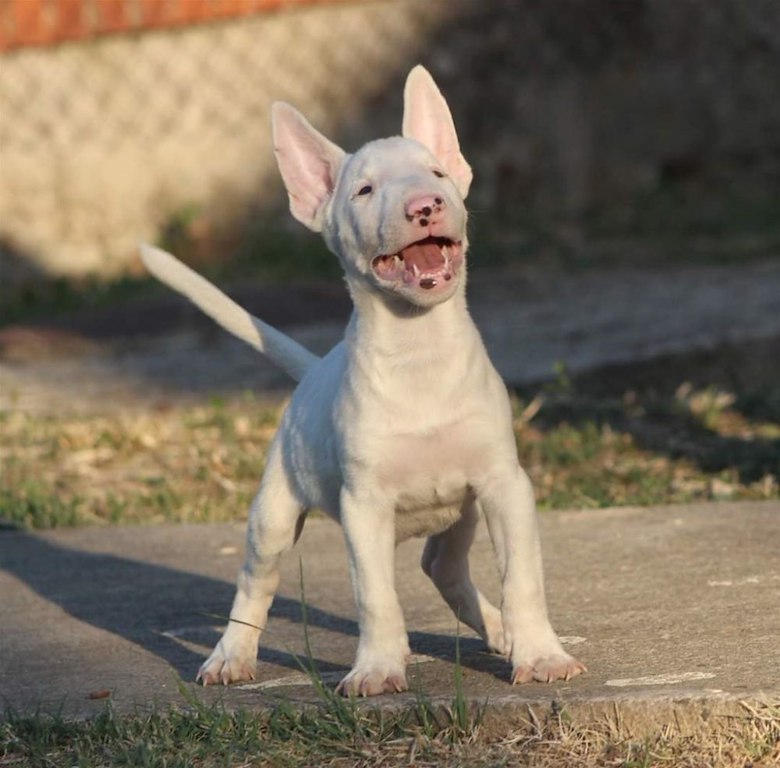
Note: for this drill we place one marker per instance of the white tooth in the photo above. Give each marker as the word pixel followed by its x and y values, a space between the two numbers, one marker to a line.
pixel 415 270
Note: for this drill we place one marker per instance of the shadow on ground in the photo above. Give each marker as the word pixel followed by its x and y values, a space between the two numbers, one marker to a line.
pixel 141 601
pixel 643 400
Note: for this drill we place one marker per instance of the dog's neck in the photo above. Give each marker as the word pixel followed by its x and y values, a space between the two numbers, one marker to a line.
pixel 385 326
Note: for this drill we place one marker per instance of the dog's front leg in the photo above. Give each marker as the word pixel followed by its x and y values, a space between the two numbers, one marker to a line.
pixel 275 520
pixel 534 649
pixel 369 529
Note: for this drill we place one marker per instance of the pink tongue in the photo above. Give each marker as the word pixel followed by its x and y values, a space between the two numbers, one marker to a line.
pixel 425 256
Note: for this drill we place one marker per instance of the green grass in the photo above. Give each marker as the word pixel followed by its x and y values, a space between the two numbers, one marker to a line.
pixel 674 222
pixel 33 505
pixel 202 463
pixel 675 212
pixel 61 297
pixel 267 252
pixel 349 733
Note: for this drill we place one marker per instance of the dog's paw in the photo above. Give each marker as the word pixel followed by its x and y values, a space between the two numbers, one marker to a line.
pixel 226 668
pixel 547 669
pixel 365 681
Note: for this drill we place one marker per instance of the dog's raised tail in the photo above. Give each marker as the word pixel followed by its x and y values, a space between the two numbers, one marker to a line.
pixel 280 349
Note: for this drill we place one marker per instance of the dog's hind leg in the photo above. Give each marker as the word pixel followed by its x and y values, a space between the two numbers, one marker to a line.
pixel 275 521
pixel 445 561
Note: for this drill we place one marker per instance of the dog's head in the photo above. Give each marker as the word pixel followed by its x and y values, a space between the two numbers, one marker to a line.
pixel 393 212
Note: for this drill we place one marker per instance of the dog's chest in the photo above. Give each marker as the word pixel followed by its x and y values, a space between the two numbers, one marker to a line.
pixel 429 476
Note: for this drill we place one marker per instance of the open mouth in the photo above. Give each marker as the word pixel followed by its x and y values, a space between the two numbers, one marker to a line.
pixel 430 262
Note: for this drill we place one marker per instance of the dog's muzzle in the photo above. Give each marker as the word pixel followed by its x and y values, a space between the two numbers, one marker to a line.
pixel 428 263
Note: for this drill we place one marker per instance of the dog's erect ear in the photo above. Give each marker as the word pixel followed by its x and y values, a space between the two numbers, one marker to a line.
pixel 308 162
pixel 427 119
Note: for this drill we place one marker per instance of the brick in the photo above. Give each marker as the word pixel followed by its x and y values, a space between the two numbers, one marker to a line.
pixel 41 22
pixel 69 20
pixel 192 11
pixel 158 13
pixel 28 22
pixel 233 8
pixel 227 9
pixel 112 16
pixel 6 26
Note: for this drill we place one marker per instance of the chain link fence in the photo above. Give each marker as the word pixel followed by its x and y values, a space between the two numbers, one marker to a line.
pixel 104 142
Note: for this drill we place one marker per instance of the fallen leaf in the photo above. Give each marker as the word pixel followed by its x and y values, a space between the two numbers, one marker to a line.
pixel 101 694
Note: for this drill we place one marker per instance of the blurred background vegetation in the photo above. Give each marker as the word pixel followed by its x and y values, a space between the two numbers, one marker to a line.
pixel 601 133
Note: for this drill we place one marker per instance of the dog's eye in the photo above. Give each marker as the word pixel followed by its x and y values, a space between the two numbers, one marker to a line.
pixel 365 190
pixel 438 173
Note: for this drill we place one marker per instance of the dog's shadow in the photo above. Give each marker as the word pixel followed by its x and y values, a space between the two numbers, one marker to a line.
pixel 167 611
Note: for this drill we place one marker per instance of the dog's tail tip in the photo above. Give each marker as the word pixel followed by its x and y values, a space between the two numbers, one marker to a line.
pixel 151 255
pixel 282 350
pixel 145 250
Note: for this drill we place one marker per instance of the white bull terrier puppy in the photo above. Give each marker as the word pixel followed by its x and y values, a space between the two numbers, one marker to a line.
pixel 404 428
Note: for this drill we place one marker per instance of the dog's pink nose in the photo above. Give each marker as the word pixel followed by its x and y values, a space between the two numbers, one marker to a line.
pixel 422 208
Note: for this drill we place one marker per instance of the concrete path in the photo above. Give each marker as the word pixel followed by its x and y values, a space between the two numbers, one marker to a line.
pixel 673 609
pixel 530 323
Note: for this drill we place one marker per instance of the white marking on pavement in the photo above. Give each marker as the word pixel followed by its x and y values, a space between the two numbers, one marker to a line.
pixel 183 636
pixel 178 632
pixel 670 678
pixel 174 633
pixel 572 639
pixel 738 583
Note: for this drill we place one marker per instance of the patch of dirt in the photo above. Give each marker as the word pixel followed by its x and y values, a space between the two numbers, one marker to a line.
pixel 281 305
pixel 611 329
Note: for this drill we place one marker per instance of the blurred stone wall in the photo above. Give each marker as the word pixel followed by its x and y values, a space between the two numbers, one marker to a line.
pixel 572 103
pixel 559 106
pixel 106 142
